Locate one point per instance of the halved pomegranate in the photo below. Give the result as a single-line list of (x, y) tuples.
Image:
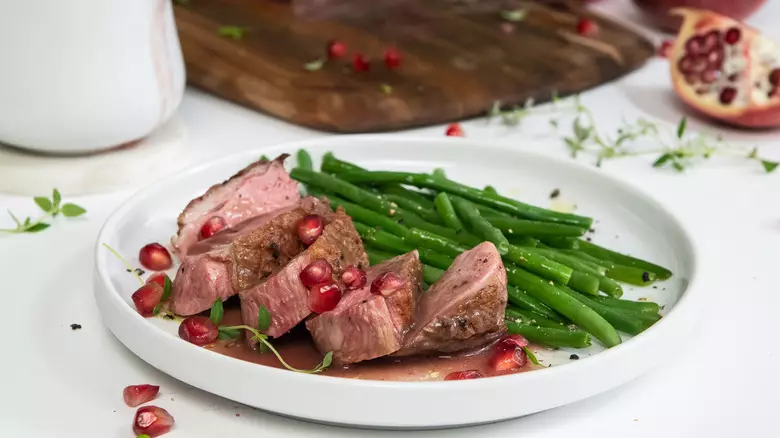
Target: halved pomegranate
[(147, 297), (136, 395), (155, 257), (152, 421), (726, 70)]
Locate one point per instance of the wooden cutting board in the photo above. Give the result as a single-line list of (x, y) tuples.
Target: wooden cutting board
[(458, 59)]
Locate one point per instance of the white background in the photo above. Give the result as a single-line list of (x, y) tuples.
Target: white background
[(63, 383)]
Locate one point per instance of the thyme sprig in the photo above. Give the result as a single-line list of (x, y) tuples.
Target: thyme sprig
[(51, 208)]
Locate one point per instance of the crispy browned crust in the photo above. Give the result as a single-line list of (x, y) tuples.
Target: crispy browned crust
[(240, 174)]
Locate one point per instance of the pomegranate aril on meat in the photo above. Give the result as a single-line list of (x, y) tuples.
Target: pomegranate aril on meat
[(392, 58), (214, 225), (336, 49), (353, 277), (732, 36), (508, 359), (309, 228), (152, 421), (587, 26), (157, 277), (464, 375), (316, 272), (155, 257), (454, 130), (387, 284), (727, 95), (147, 297), (360, 63), (136, 395), (198, 330), (324, 297)]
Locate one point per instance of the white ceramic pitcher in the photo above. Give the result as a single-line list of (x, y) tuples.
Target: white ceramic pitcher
[(85, 75)]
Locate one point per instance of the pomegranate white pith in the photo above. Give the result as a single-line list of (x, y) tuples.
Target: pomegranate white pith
[(726, 70)]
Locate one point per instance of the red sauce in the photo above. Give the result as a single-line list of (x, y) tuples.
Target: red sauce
[(297, 349)]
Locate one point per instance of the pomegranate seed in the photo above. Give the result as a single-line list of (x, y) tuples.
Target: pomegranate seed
[(336, 49), (715, 58), (685, 64), (198, 330), (774, 77), (511, 342), (733, 35), (699, 64), (694, 45), (353, 277), (324, 297), (318, 271), (155, 257), (464, 375), (136, 395), (665, 48), (360, 63), (214, 225), (711, 39), (152, 421), (309, 228), (710, 76), (454, 130), (507, 359), (392, 58), (157, 277), (727, 95), (147, 297), (587, 27), (387, 284)]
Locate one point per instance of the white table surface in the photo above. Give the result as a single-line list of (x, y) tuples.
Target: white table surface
[(64, 383)]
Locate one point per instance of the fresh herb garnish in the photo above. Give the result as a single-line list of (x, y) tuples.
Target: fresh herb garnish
[(167, 288), (234, 32), (51, 207), (315, 65), (127, 264), (514, 15), (142, 436), (531, 356), (228, 334), (386, 89), (217, 311), (263, 319)]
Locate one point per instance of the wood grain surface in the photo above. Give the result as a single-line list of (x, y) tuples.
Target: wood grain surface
[(458, 59)]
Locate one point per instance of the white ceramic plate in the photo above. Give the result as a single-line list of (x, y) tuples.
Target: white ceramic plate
[(627, 220)]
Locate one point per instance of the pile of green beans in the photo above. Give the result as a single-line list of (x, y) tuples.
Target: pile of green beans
[(556, 279)]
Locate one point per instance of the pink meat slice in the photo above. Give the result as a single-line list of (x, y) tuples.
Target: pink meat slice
[(283, 294), (464, 309), (365, 326), (239, 257), (260, 188)]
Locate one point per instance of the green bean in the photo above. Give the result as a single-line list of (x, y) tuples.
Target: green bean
[(479, 225), (584, 282), (447, 212), (349, 191), (631, 323), (439, 173), (395, 189), (631, 275), (550, 336), (561, 242), (606, 264), (508, 205), (433, 242), (534, 228), (629, 306), (623, 259), (526, 241), (606, 284), (361, 214), (416, 208), (527, 302), (489, 211), (304, 160), (377, 256), (432, 275), (542, 266), (565, 304), (382, 240), (490, 189), (527, 317)]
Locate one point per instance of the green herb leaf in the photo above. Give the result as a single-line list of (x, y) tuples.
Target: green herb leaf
[(769, 166), (144, 435), (217, 311), (72, 210), (157, 309), (37, 227), (515, 15), (234, 32), (386, 89), (27, 222), (678, 165), (227, 333), (264, 157), (167, 288), (263, 319), (662, 160), (315, 65), (531, 356), (753, 153), (327, 360), (681, 127), (580, 132), (56, 197), (44, 203)]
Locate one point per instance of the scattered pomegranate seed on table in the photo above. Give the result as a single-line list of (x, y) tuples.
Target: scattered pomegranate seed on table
[(665, 48), (214, 225), (318, 271), (136, 395), (336, 49), (353, 277), (324, 297), (392, 58), (147, 297), (387, 284), (464, 375), (587, 26), (309, 228), (152, 421), (360, 63), (198, 330), (157, 277), (155, 257), (454, 130)]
